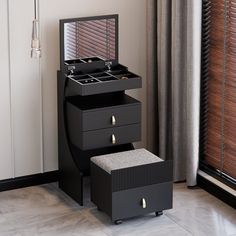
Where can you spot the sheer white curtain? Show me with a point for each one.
(174, 55)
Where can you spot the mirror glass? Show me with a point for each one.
(90, 38)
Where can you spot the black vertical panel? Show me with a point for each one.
(206, 19)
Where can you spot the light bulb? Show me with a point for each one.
(35, 42)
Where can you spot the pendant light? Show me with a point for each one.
(35, 41)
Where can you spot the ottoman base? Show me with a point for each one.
(132, 191)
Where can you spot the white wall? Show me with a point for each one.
(6, 168)
(25, 91)
(34, 140)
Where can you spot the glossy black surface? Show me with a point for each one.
(91, 89)
(101, 101)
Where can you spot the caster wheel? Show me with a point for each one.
(159, 213)
(118, 222)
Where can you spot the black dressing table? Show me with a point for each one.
(95, 116)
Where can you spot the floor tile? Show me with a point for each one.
(47, 211)
(201, 213)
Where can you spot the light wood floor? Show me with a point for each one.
(45, 210)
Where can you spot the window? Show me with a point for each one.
(218, 92)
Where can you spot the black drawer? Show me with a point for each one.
(106, 118)
(106, 137)
(129, 203)
(108, 114)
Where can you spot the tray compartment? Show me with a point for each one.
(91, 59)
(98, 75)
(118, 72)
(89, 81)
(125, 76)
(81, 77)
(76, 61)
(107, 78)
(108, 83)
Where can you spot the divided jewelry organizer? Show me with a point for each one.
(95, 116)
(100, 81)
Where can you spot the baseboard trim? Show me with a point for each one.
(29, 180)
(216, 190)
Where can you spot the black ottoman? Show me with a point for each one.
(131, 183)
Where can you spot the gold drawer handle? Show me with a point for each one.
(113, 139)
(113, 120)
(143, 203)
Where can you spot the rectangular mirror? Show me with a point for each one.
(90, 39)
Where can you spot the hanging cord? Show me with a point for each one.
(107, 41)
(223, 86)
(35, 9)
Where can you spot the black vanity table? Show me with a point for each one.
(95, 116)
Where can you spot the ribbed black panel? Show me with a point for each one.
(101, 188)
(206, 19)
(139, 176)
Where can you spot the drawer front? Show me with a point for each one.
(111, 137)
(111, 117)
(143, 200)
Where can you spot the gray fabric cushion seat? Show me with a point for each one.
(126, 159)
